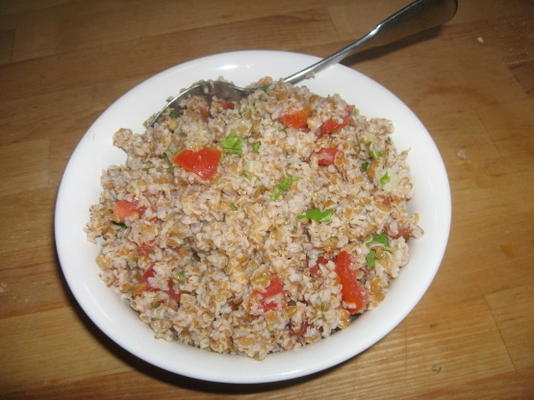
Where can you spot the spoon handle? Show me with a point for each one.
(415, 17)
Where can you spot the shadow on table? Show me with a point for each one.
(376, 52)
(169, 377)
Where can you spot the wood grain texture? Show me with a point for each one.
(62, 62)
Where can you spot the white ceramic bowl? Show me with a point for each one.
(80, 187)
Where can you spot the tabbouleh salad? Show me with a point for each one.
(256, 226)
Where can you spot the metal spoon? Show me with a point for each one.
(415, 17)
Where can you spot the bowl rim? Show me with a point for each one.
(245, 370)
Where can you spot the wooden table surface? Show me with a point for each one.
(62, 62)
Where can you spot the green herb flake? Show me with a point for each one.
(121, 224)
(385, 179)
(264, 87)
(173, 114)
(255, 146)
(375, 154)
(181, 276)
(370, 260)
(315, 214)
(233, 207)
(155, 305)
(379, 238)
(233, 143)
(283, 187)
(364, 166)
(333, 238)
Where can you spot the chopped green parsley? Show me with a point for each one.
(385, 179)
(317, 215)
(379, 238)
(283, 187)
(255, 146)
(370, 260)
(233, 143)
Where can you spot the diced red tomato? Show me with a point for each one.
(297, 119)
(202, 163)
(327, 155)
(228, 105)
(149, 273)
(204, 114)
(332, 126)
(272, 296)
(144, 249)
(123, 209)
(314, 271)
(352, 292)
(172, 294)
(403, 231)
(275, 287)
